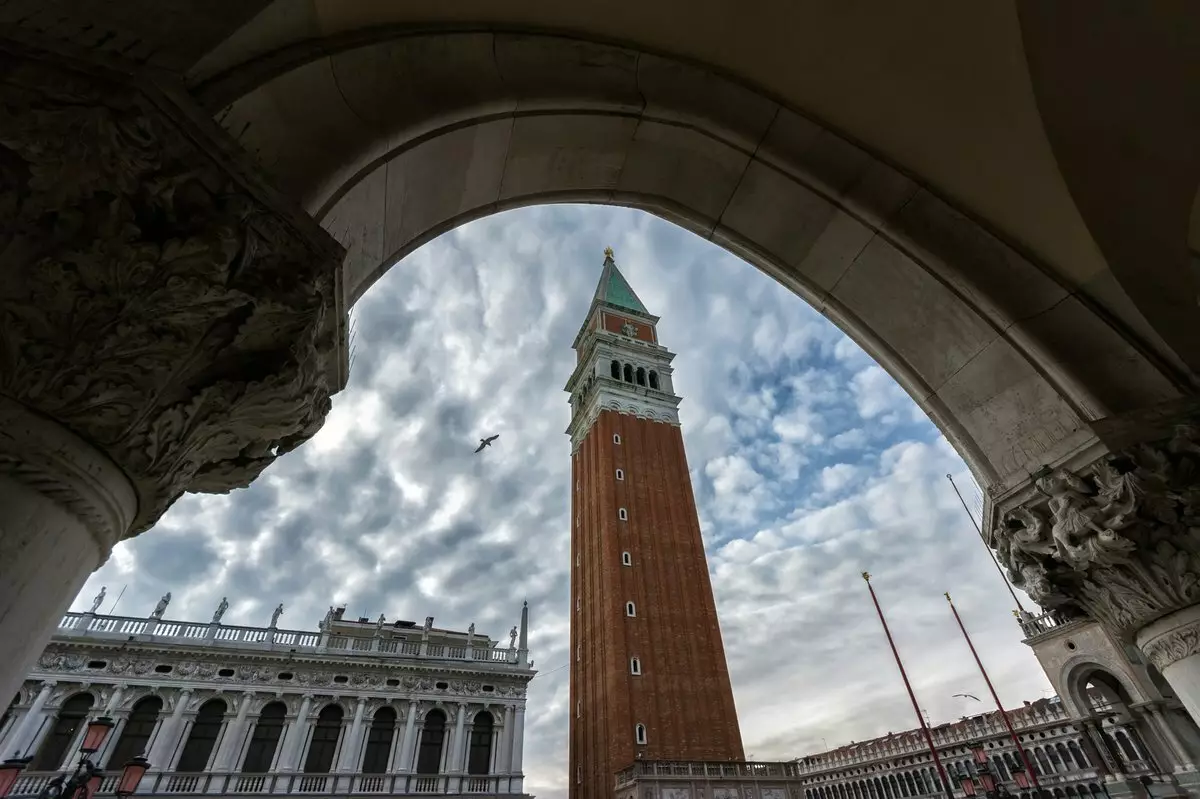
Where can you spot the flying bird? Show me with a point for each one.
(486, 442)
(969, 696)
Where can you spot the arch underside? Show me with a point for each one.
(391, 141)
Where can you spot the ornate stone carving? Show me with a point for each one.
(1119, 541)
(149, 300)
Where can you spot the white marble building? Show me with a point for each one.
(356, 707)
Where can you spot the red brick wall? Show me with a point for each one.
(683, 696)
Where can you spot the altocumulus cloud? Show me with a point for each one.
(809, 465)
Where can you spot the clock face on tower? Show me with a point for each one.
(629, 329)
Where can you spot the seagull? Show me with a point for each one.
(969, 696)
(486, 442)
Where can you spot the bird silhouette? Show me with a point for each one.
(969, 696)
(486, 442)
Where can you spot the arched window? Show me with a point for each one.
(1126, 745)
(628, 373)
(1001, 767)
(641, 376)
(379, 741)
(324, 741)
(479, 758)
(615, 370)
(201, 739)
(1077, 754)
(620, 474)
(616, 438)
(635, 666)
(265, 738)
(429, 755)
(630, 610)
(626, 559)
(622, 514)
(654, 380)
(54, 748)
(639, 734)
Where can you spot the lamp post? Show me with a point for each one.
(84, 781)
(983, 777)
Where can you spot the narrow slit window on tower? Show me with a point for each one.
(626, 559)
(641, 376)
(628, 373)
(622, 514)
(630, 610)
(635, 666)
(620, 474)
(578, 604)
(653, 379)
(616, 438)
(578, 652)
(615, 370)
(639, 734)
(578, 708)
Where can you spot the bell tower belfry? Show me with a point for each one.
(648, 674)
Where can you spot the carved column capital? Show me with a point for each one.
(157, 299)
(1117, 540)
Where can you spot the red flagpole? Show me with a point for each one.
(1003, 713)
(916, 708)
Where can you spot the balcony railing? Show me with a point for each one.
(226, 784)
(672, 769)
(81, 625)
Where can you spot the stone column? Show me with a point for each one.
(1175, 747)
(171, 324)
(352, 746)
(504, 761)
(1111, 535)
(296, 733)
(162, 751)
(231, 741)
(32, 721)
(118, 716)
(518, 740)
(408, 741)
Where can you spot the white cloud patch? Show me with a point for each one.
(808, 463)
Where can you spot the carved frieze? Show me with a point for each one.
(1118, 541)
(153, 298)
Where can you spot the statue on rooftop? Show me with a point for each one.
(275, 616)
(161, 607)
(221, 608)
(428, 625)
(512, 638)
(99, 598)
(379, 624)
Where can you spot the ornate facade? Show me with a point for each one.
(353, 708)
(648, 673)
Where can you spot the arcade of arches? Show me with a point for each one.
(996, 199)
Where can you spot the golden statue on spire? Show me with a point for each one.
(608, 252)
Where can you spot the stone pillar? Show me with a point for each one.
(518, 741)
(231, 741)
(293, 741)
(120, 718)
(408, 741)
(352, 746)
(32, 721)
(1110, 535)
(504, 761)
(1175, 747)
(141, 360)
(162, 751)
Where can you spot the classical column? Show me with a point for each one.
(504, 761)
(455, 763)
(170, 324)
(352, 746)
(1111, 536)
(31, 722)
(162, 751)
(120, 717)
(231, 742)
(296, 733)
(409, 741)
(1176, 750)
(518, 739)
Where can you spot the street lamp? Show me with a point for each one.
(84, 781)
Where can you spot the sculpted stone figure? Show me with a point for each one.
(221, 608)
(161, 607)
(275, 616)
(512, 638)
(99, 598)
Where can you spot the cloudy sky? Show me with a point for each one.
(809, 464)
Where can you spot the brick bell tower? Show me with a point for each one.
(648, 673)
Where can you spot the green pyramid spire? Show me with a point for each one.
(614, 289)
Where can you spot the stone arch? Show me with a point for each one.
(832, 222)
(1077, 671)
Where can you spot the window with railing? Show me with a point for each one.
(54, 749)
(479, 757)
(324, 740)
(429, 753)
(264, 739)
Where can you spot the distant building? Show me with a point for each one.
(355, 708)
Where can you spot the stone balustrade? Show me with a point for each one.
(29, 784)
(76, 626)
